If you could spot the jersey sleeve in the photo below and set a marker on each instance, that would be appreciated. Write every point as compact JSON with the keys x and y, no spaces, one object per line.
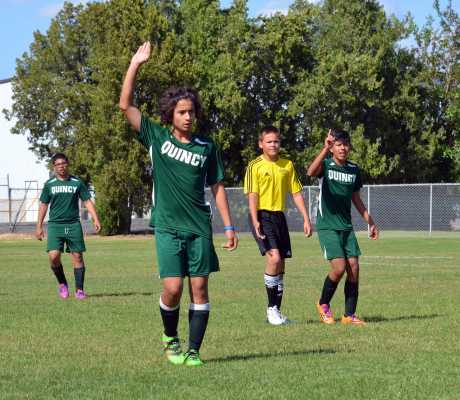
{"x":83,"y":192}
{"x":295,"y":185}
{"x":215,"y":172}
{"x":324,"y":164}
{"x":251,"y":184}
{"x":147,"y":131}
{"x":45,"y":196}
{"x":358,"y":181}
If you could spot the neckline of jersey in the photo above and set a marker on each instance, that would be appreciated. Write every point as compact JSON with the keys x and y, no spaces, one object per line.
{"x":175,"y":141}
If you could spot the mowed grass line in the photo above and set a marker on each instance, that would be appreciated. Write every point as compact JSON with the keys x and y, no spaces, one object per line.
{"x":108,"y":347}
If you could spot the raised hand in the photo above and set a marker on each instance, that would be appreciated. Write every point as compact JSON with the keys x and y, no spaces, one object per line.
{"x":142,"y":54}
{"x":329,"y":141}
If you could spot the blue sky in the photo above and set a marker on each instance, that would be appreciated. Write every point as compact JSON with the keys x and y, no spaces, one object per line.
{"x":20,"y":18}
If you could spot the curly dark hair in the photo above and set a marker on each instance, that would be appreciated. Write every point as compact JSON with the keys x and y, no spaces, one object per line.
{"x":171,"y":97}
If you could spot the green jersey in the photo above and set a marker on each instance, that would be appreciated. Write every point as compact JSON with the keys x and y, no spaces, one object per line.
{"x":63,"y":196}
{"x":180,"y":172}
{"x":336,"y":186}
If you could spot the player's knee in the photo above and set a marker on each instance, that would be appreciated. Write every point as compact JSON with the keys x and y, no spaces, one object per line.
{"x":336,"y":274}
{"x":274,"y":257}
{"x":55,"y":258}
{"x":77,"y":258}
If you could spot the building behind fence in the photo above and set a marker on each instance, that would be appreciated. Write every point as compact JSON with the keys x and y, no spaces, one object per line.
{"x":407,"y":207}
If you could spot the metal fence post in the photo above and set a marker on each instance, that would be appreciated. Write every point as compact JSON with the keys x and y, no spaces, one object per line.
{"x":431,"y":209}
{"x":9,"y":198}
{"x":368,"y":207}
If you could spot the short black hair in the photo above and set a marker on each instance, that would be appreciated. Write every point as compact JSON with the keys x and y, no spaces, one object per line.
{"x":341,"y":135}
{"x":172,"y":96}
{"x":59,"y":156}
{"x":268,"y":129}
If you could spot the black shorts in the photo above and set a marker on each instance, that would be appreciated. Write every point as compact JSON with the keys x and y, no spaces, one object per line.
{"x":274,"y":226}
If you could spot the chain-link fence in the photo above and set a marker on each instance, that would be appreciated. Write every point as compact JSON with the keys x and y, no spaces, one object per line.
{"x":415,"y":207}
{"x":19,"y":207}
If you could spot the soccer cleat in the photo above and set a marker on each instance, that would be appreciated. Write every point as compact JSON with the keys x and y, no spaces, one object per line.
{"x":274,"y":316}
{"x":172,"y":350}
{"x":285,"y":319}
{"x":63,"y":291}
{"x":80,"y":294}
{"x":352,"y":320}
{"x":325,"y":314}
{"x":192,"y":358}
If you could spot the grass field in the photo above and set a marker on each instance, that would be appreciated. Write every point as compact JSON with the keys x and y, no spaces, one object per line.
{"x":108,"y":347}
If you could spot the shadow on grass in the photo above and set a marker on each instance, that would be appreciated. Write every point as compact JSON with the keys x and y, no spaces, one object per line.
{"x":121,"y":294}
{"x":245,"y":357}
{"x":381,"y":318}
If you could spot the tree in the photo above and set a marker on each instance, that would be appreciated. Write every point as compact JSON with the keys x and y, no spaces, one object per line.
{"x":439,"y":51}
{"x":66,"y":93}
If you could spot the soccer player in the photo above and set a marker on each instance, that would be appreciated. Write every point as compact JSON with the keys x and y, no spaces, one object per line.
{"x":339,"y":184}
{"x":267,"y":181}
{"x":183,"y":163}
{"x":62,"y":194}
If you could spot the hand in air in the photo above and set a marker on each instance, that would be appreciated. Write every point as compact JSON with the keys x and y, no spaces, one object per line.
{"x":329,"y":141}
{"x":143,"y":53}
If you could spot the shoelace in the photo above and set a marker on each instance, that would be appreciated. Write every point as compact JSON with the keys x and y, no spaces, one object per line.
{"x":173,"y":345}
{"x":193,"y":355}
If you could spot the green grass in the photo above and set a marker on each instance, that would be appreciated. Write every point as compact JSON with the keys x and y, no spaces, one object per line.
{"x":108,"y":347}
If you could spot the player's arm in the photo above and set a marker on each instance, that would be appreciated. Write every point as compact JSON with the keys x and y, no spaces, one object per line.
{"x":253,"y":199}
{"x":373,"y":231}
{"x":92,"y":211}
{"x":316,"y":167}
{"x":126,"y":104}
{"x":220,"y":195}
{"x":300,"y":204}
{"x":39,"y":234}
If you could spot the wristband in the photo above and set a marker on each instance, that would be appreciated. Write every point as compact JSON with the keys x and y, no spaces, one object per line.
{"x":229,"y":228}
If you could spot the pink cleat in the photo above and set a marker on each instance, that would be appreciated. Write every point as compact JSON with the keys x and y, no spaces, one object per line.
{"x":80,"y":294}
{"x":63,"y":291}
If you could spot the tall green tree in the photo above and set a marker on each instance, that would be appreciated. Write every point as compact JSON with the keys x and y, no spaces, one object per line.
{"x":438,"y":51}
{"x":66,"y":92}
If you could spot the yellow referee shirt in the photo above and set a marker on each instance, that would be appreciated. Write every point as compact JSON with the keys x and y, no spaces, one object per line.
{"x":271,"y":180}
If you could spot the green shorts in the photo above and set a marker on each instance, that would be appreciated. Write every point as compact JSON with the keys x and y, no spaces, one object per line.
{"x":69,"y":234}
{"x":338,"y":244}
{"x":184,"y":254}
